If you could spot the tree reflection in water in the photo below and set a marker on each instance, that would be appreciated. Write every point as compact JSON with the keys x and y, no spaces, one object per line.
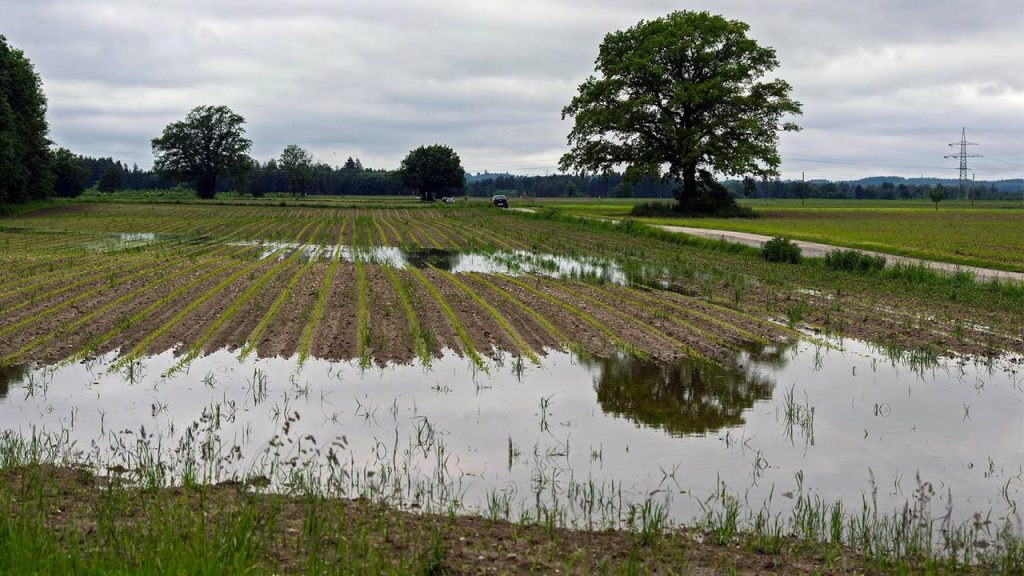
{"x":423,"y":257}
{"x":12,"y":374}
{"x":686,"y":397}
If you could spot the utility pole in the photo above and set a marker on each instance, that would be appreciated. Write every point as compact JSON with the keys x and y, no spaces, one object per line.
{"x":963,"y":156}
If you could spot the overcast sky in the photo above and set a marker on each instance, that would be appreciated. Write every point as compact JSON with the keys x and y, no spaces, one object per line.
{"x":885,"y":86}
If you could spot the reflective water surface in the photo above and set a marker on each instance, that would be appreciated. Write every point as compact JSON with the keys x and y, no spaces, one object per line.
{"x":855,"y":425}
{"x":511,"y":262}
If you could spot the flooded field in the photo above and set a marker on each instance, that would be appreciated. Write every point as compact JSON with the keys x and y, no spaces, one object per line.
{"x":582,"y":439}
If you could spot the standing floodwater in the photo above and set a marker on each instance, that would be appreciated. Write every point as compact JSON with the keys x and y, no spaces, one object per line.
{"x":583,"y":437}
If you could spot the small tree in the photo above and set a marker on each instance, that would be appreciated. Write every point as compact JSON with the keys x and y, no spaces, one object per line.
{"x":937,"y":194}
{"x":209,"y":143}
{"x":298,"y":164}
{"x":433,"y":171}
{"x":682,"y":98}
{"x":69,"y":174}
{"x":112,"y":179}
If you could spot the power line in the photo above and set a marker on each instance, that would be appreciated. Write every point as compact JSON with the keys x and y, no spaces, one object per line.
{"x":963,"y":156}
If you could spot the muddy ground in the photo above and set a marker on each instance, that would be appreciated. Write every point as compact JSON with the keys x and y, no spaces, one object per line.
{"x":97,"y":520}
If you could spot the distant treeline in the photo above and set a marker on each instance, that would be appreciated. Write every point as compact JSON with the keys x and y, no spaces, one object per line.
{"x":350,"y":179}
{"x":614,"y":186}
{"x":353,"y":178}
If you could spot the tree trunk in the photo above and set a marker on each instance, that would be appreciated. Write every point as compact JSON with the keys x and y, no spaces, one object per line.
{"x":206,"y":186}
{"x":689,"y":182}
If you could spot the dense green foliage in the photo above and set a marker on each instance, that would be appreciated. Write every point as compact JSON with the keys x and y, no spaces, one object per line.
{"x":206,"y":145}
{"x":937,"y":194}
{"x":297,"y":163}
{"x":433,"y":171}
{"x":69,"y":174}
{"x":853,"y":261}
{"x":781,"y":250}
{"x":111,"y":179}
{"x":681,"y":97}
{"x":24,"y":147}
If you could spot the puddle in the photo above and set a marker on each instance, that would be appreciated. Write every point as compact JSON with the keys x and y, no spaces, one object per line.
{"x":513,"y":263}
{"x":124,"y":241}
{"x":857,"y":426}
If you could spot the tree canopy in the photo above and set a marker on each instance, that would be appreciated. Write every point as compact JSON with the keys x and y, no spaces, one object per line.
{"x":433,"y":171}
{"x":681,"y":98}
{"x":298,"y":164}
{"x":209,"y":143}
{"x":69,"y":172}
{"x":24,"y":147}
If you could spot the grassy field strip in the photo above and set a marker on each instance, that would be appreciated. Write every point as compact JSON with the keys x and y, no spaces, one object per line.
{"x":419,"y":341}
{"x":139,"y":349}
{"x":524,"y":348}
{"x":537,"y":317}
{"x":467,"y":343}
{"x":657,"y":307}
{"x":321,"y":297}
{"x":133,"y":275}
{"x":35,"y":343}
{"x":252,"y":341}
{"x":608,"y":333}
{"x":195,"y":348}
{"x":83,"y":263}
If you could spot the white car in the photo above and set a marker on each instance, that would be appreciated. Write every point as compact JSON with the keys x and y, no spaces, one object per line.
{"x":448,"y":200}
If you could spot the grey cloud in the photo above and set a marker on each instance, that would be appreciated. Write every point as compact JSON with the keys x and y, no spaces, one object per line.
{"x":375,"y":79}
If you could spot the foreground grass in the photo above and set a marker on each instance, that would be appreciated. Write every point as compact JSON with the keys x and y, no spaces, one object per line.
{"x":60,"y":520}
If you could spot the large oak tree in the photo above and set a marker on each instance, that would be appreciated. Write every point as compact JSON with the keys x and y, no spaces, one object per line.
{"x":209,"y":143}
{"x":433,"y":171}
{"x":24,"y":147}
{"x":682,"y":98}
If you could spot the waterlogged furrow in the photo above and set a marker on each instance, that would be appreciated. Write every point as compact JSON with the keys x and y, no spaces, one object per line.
{"x":113,"y":262}
{"x":521,"y":344}
{"x":453,"y":320}
{"x":420,"y":346}
{"x":321,"y":298}
{"x":604,"y":330}
{"x":116,"y":306}
{"x":112,"y":284}
{"x":632,"y":319}
{"x":139,"y":349}
{"x":551,"y":329}
{"x":195,"y":348}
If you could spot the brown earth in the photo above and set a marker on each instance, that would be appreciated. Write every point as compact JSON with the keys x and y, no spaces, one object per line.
{"x":662,"y":324}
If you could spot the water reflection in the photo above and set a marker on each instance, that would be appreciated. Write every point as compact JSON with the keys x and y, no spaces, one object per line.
{"x":510,"y":262}
{"x":682,"y":398}
{"x":12,"y":374}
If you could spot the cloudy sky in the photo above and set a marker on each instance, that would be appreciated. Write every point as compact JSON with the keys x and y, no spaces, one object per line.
{"x":885,"y":85}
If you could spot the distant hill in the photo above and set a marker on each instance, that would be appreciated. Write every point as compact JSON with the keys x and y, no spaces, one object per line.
{"x":1012,"y":185}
